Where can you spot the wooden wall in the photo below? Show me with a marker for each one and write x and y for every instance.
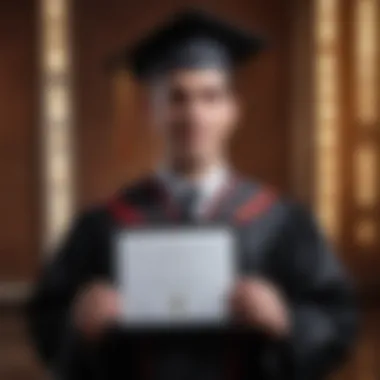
(360, 153)
(18, 140)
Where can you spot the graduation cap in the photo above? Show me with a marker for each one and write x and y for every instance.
(191, 39)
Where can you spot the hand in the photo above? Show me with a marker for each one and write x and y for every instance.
(95, 307)
(257, 303)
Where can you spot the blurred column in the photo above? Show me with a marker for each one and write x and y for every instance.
(365, 149)
(56, 124)
(327, 116)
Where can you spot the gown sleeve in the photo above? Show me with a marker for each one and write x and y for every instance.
(48, 311)
(320, 297)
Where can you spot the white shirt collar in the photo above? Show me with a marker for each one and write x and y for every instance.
(208, 186)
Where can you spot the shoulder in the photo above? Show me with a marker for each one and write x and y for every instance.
(130, 196)
(252, 188)
(265, 200)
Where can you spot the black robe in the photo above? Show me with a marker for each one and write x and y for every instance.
(277, 239)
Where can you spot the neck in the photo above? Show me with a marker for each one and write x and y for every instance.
(193, 170)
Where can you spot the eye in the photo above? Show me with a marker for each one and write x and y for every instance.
(177, 96)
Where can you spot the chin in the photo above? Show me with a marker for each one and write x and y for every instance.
(190, 157)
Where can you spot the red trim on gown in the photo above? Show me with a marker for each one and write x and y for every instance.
(257, 205)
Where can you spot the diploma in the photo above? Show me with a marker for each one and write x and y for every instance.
(175, 276)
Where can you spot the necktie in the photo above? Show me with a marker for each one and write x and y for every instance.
(187, 203)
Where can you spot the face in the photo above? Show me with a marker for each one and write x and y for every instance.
(196, 112)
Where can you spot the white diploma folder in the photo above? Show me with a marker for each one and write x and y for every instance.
(175, 276)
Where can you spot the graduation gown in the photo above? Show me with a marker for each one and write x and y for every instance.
(277, 239)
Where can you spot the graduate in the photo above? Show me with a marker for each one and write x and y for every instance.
(292, 302)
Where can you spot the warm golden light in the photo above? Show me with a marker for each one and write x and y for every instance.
(365, 153)
(57, 147)
(327, 123)
(365, 157)
(366, 61)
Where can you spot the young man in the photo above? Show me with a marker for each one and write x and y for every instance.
(292, 296)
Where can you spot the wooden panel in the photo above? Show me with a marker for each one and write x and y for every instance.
(18, 140)
(362, 257)
(110, 131)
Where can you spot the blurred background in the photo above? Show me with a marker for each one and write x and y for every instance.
(71, 133)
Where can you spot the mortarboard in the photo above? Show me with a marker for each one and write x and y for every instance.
(190, 39)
